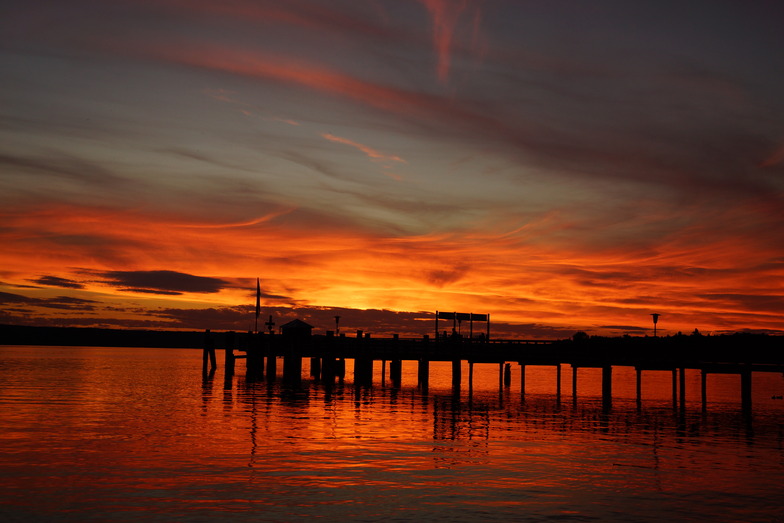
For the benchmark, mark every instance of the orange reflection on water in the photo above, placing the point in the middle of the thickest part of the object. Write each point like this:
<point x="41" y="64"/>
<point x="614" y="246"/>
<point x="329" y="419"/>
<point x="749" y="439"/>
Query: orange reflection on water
<point x="141" y="430"/>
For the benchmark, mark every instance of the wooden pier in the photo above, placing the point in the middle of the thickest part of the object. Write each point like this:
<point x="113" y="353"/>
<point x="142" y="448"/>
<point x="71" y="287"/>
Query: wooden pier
<point x="709" y="355"/>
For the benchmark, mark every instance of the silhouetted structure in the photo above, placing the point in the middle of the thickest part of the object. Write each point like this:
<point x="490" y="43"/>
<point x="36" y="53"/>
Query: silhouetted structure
<point x="296" y="328"/>
<point x="458" y="318"/>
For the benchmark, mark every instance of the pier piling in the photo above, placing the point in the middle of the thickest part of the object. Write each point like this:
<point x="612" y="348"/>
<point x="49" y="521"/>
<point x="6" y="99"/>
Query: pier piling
<point x="396" y="372"/>
<point x="457" y="373"/>
<point x="208" y="353"/>
<point x="607" y="387"/>
<point x="423" y="373"/>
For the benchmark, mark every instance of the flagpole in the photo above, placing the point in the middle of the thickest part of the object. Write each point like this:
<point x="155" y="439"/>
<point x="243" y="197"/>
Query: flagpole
<point x="258" y="304"/>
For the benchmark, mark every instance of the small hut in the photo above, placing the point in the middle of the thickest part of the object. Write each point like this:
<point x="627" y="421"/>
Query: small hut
<point x="296" y="329"/>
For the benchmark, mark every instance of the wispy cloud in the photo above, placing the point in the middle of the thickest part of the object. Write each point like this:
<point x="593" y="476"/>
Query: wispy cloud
<point x="371" y="153"/>
<point x="446" y="16"/>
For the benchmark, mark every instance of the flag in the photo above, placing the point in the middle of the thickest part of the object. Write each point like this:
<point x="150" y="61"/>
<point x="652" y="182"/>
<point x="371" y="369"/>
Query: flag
<point x="258" y="298"/>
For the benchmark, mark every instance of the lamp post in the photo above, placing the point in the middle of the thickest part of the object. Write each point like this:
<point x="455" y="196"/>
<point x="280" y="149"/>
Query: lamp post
<point x="655" y="321"/>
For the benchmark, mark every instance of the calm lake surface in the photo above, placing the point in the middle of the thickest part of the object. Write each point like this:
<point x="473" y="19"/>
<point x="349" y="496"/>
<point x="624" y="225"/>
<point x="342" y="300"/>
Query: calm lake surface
<point x="116" y="434"/>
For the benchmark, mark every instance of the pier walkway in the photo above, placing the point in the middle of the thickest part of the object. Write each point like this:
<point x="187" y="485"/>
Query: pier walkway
<point x="736" y="354"/>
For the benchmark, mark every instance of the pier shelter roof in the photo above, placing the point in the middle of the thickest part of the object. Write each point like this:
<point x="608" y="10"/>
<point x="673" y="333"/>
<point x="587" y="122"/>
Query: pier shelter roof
<point x="296" y="327"/>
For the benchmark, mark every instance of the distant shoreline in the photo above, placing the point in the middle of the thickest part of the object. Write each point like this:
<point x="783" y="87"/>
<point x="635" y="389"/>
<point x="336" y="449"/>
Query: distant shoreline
<point x="99" y="337"/>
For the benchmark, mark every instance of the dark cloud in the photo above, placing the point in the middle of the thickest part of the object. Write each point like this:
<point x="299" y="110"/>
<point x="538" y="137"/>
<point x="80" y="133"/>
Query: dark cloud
<point x="59" y="302"/>
<point x="55" y="281"/>
<point x="151" y="291"/>
<point x="8" y="298"/>
<point x="163" y="282"/>
<point x="67" y="303"/>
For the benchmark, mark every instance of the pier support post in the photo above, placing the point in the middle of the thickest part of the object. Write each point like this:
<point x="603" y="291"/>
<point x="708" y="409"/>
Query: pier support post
<point x="704" y="389"/>
<point x="507" y="374"/>
<point x="574" y="384"/>
<point x="363" y="371"/>
<point x="228" y="362"/>
<point x="328" y="368"/>
<point x="639" y="387"/>
<point x="607" y="387"/>
<point x="315" y="368"/>
<point x="208" y="353"/>
<point x="272" y="366"/>
<point x="396" y="372"/>
<point x="674" y="388"/>
<point x="682" y="386"/>
<point x="423" y="373"/>
<point x="457" y="373"/>
<point x="259" y="350"/>
<point x="292" y="367"/>
<point x="558" y="381"/>
<point x="254" y="359"/>
<point x="522" y="380"/>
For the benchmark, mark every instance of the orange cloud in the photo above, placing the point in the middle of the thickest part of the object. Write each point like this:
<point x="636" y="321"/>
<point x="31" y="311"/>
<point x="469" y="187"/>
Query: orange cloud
<point x="694" y="279"/>
<point x="371" y="153"/>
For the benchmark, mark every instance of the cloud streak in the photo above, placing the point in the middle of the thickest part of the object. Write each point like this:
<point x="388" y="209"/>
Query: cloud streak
<point x="371" y="153"/>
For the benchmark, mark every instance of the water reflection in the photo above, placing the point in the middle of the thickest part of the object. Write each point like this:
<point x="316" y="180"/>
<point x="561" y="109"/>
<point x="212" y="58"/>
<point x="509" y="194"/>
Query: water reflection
<point x="476" y="415"/>
<point x="113" y="433"/>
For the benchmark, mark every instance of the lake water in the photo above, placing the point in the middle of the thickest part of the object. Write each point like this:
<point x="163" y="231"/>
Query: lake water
<point x="115" y="434"/>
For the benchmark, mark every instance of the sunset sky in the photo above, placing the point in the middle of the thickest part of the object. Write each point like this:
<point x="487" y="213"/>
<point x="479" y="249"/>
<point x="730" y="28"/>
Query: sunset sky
<point x="560" y="165"/>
